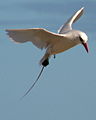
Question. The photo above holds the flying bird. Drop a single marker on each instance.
(54, 43)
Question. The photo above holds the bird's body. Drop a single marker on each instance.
(54, 43)
(67, 41)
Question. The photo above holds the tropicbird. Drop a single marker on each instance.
(54, 43)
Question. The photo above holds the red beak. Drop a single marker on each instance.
(86, 47)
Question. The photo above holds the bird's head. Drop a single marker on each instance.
(83, 40)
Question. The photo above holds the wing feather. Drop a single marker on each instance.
(68, 25)
(38, 36)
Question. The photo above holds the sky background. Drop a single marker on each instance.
(67, 88)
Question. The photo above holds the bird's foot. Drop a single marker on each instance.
(54, 56)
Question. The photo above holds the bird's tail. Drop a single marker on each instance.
(45, 60)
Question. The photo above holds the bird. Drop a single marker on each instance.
(53, 43)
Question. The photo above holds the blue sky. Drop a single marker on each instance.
(67, 87)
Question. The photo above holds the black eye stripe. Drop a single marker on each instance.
(80, 39)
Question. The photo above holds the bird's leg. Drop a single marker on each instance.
(54, 56)
(45, 62)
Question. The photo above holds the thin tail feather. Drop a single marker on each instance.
(33, 83)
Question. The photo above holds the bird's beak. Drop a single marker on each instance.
(86, 46)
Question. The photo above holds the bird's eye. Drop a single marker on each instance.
(81, 39)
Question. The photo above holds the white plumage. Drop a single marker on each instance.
(54, 43)
(68, 25)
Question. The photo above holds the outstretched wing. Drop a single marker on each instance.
(68, 25)
(38, 36)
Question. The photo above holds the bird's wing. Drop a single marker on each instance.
(68, 25)
(38, 36)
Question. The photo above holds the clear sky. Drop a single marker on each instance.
(67, 88)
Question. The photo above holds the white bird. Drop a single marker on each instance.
(54, 43)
